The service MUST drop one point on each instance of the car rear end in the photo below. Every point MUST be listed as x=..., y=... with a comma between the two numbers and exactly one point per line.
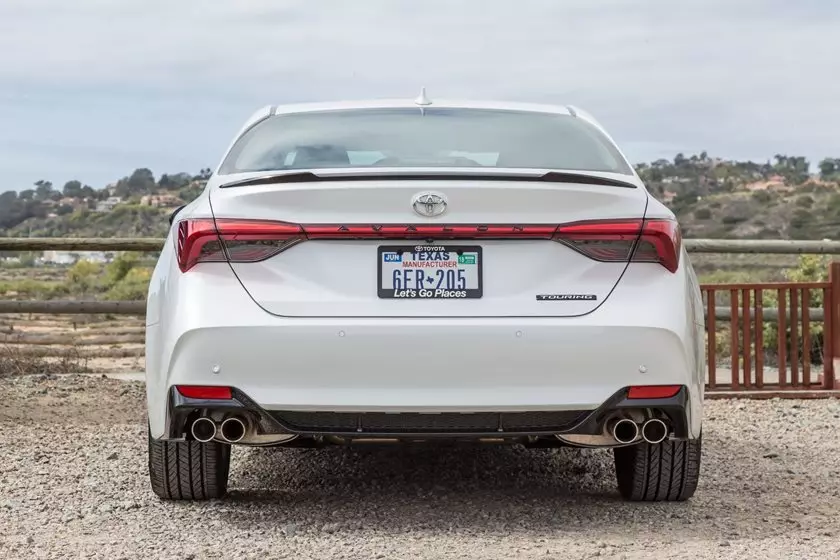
x=408, y=273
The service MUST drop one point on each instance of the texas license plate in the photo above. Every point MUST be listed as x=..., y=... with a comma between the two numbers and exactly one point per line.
x=430, y=272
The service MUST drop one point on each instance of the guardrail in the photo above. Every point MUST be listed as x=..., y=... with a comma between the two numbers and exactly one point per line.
x=743, y=313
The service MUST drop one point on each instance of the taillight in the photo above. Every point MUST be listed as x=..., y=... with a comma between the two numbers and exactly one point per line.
x=208, y=240
x=654, y=241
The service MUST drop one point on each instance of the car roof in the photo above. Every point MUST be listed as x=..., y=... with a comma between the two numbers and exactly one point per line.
x=413, y=104
x=422, y=102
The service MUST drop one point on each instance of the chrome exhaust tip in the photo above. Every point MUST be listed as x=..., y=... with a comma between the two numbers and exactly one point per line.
x=624, y=430
x=654, y=430
x=233, y=429
x=203, y=429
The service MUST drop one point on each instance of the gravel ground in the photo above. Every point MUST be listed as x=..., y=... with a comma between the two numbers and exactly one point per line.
x=73, y=484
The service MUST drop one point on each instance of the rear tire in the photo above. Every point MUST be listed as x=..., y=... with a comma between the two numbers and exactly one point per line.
x=188, y=470
x=667, y=471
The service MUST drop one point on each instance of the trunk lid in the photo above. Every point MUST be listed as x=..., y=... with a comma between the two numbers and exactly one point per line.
x=339, y=277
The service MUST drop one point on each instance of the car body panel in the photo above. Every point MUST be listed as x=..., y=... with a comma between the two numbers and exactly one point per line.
x=291, y=340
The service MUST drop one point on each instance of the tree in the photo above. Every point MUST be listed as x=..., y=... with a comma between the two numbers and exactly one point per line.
x=87, y=192
x=72, y=189
x=141, y=181
x=795, y=169
x=829, y=169
x=43, y=190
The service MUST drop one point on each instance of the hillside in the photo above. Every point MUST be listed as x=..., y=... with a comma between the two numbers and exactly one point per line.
x=127, y=220
x=711, y=197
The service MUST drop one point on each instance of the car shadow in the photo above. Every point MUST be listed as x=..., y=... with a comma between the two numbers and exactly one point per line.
x=497, y=489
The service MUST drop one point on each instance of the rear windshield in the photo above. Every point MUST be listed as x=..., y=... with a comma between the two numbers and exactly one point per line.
x=433, y=137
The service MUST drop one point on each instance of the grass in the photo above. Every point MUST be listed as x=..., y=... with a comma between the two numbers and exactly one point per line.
x=17, y=361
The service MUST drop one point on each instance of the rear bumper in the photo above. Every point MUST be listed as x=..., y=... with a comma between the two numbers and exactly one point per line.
x=183, y=410
x=419, y=365
x=433, y=366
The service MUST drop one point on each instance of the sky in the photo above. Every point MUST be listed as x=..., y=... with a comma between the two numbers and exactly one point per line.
x=92, y=89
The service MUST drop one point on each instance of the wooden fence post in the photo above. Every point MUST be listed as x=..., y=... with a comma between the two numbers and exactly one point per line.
x=832, y=338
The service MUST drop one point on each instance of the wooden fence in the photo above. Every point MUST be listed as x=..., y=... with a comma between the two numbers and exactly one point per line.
x=793, y=341
x=738, y=309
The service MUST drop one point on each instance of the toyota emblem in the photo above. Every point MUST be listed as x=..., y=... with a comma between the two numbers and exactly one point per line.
x=429, y=204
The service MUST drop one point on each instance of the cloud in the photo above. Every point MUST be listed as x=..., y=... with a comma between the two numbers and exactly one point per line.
x=93, y=88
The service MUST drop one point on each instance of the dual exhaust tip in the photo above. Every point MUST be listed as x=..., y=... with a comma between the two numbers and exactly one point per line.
x=231, y=430
x=625, y=430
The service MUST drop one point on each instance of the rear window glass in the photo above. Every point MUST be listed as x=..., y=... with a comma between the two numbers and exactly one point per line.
x=433, y=137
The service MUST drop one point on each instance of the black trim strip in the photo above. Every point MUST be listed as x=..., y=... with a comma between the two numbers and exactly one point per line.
x=182, y=409
x=309, y=177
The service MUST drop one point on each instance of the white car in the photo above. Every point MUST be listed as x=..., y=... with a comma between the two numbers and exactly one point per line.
x=414, y=270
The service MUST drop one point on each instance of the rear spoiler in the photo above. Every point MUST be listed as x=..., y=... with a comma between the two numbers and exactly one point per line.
x=310, y=177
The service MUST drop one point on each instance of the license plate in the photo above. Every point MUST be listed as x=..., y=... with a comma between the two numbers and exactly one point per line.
x=429, y=272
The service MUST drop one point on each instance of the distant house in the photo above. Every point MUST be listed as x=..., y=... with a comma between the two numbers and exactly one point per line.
x=774, y=182
x=161, y=200
x=108, y=204
x=98, y=257
x=74, y=203
x=59, y=257
x=68, y=257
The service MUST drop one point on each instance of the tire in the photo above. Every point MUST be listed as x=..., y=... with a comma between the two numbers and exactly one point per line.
x=662, y=472
x=188, y=470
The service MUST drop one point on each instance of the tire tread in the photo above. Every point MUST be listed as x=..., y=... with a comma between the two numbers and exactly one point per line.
x=188, y=470
x=667, y=471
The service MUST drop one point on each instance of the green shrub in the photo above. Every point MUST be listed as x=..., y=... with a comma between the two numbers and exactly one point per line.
x=133, y=286
x=117, y=269
x=732, y=220
x=702, y=213
x=761, y=196
x=83, y=277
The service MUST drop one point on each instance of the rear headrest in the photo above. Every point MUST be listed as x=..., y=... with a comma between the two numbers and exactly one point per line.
x=321, y=155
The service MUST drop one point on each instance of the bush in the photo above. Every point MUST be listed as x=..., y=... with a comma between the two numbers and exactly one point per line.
x=702, y=213
x=732, y=220
x=761, y=196
x=133, y=286
x=117, y=269
x=805, y=201
x=83, y=277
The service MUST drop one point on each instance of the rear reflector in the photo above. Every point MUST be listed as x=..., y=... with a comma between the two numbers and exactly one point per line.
x=653, y=391
x=234, y=240
x=204, y=391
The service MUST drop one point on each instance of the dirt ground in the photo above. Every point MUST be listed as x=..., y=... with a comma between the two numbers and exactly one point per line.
x=75, y=485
